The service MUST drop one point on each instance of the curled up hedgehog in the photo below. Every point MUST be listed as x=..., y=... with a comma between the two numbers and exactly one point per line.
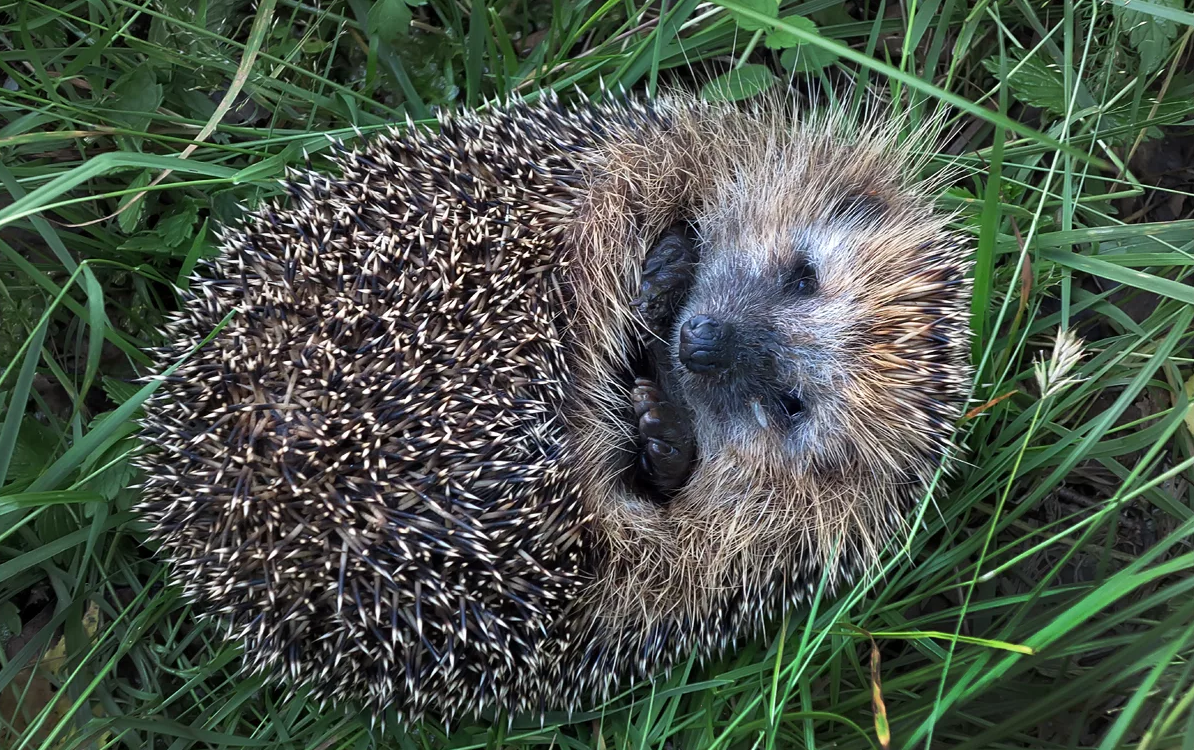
x=512, y=414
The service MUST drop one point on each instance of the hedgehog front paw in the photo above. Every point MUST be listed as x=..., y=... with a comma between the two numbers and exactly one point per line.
x=667, y=274
x=666, y=444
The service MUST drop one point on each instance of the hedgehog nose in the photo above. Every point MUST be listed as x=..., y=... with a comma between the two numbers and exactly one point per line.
x=705, y=345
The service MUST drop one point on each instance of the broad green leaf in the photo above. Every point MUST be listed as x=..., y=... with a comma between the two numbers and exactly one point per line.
x=115, y=470
x=178, y=226
x=146, y=243
x=766, y=7
x=389, y=20
x=1150, y=34
x=137, y=97
x=10, y=621
x=129, y=217
x=739, y=84
x=118, y=390
x=806, y=58
x=1033, y=81
x=782, y=39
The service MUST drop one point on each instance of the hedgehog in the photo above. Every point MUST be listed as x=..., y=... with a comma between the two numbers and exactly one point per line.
x=503, y=415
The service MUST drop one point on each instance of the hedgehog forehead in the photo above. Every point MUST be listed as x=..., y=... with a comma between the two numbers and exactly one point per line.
x=855, y=240
x=765, y=224
x=799, y=177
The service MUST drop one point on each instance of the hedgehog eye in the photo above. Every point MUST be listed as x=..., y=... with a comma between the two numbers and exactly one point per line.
x=792, y=405
x=801, y=280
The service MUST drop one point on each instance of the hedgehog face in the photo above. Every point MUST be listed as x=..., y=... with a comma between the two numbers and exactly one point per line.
x=787, y=333
x=764, y=342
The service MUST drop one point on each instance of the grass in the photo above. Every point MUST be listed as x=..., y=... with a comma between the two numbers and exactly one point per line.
x=1045, y=602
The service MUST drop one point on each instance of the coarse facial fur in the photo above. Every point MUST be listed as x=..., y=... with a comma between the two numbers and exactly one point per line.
x=848, y=301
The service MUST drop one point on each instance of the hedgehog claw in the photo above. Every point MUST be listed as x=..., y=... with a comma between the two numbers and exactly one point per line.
x=667, y=447
x=667, y=274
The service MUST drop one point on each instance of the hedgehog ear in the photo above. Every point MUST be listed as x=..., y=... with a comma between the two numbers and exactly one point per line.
x=863, y=204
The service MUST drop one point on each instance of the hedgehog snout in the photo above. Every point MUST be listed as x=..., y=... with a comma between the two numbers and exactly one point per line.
x=731, y=361
x=706, y=345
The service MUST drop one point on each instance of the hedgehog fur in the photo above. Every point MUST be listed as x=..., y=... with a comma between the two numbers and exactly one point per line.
x=397, y=475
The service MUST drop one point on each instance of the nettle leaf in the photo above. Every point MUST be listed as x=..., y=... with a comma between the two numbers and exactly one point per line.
x=117, y=471
x=797, y=55
x=219, y=15
x=833, y=15
x=780, y=39
x=739, y=84
x=137, y=96
x=1035, y=82
x=766, y=7
x=1148, y=34
x=145, y=243
x=226, y=206
x=314, y=46
x=118, y=390
x=129, y=218
x=806, y=58
x=178, y=226
x=14, y=308
x=36, y=447
x=54, y=522
x=388, y=20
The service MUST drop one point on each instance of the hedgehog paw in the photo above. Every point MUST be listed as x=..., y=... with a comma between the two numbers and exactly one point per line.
x=666, y=443
x=667, y=274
